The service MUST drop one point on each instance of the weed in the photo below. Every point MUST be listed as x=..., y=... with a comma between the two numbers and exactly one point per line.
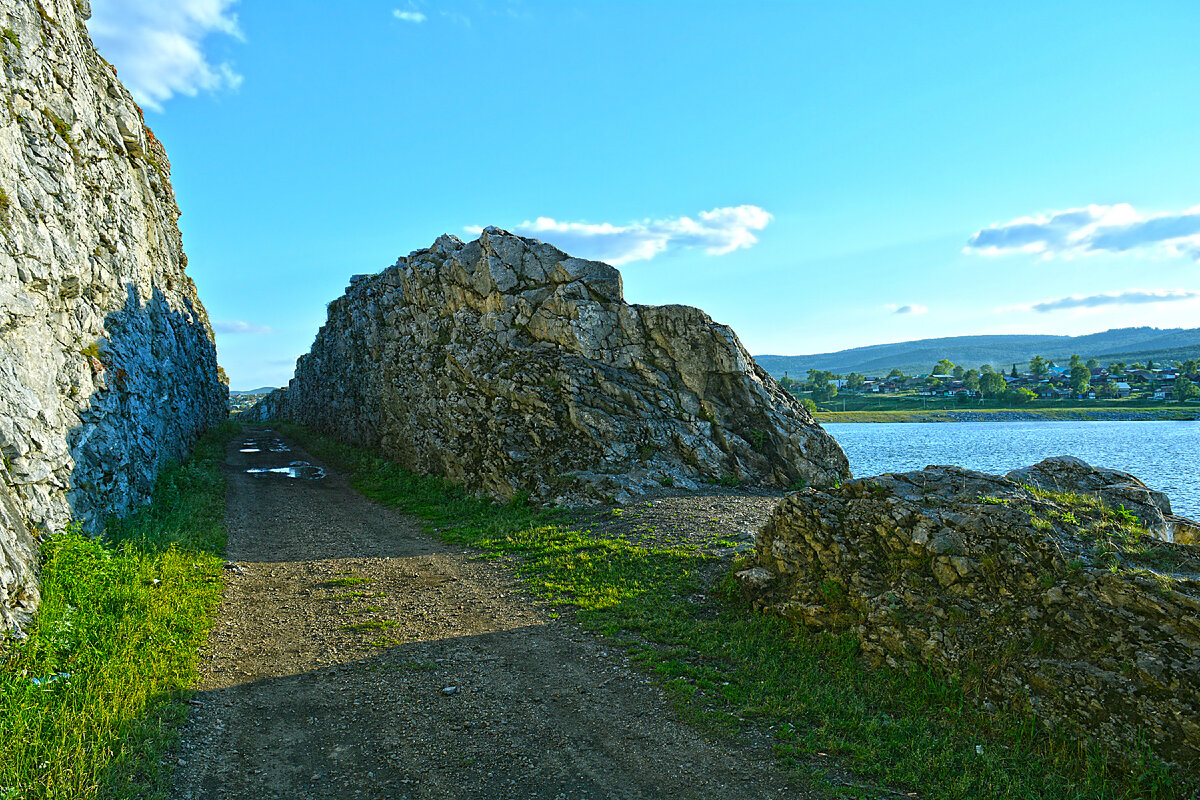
x=373, y=625
x=61, y=127
x=12, y=37
x=666, y=480
x=340, y=583
x=91, y=351
x=730, y=481
x=5, y=202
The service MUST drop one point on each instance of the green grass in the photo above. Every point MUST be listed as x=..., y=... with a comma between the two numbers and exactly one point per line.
x=339, y=583
x=89, y=703
x=726, y=668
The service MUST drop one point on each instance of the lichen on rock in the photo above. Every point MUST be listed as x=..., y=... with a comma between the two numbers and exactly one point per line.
x=107, y=362
x=511, y=367
x=1047, y=594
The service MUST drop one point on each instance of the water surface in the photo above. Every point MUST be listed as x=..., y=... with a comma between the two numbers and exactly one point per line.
x=1164, y=455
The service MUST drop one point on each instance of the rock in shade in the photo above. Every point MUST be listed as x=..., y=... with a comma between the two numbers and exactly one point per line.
x=1044, y=596
x=510, y=367
x=107, y=362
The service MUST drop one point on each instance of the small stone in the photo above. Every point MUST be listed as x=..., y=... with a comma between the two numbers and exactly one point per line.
x=449, y=690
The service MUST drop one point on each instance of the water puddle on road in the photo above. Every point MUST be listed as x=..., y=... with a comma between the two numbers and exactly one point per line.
x=297, y=469
x=250, y=450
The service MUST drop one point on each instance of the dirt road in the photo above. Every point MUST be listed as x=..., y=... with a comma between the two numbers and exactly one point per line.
x=356, y=657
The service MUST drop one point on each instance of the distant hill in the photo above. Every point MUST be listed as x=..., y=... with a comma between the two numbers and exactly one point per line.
x=260, y=390
x=918, y=357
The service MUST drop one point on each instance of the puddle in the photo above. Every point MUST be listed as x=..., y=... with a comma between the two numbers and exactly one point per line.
x=250, y=450
x=297, y=469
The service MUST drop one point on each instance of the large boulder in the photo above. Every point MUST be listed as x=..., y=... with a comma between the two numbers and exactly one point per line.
x=1049, y=599
x=510, y=367
x=107, y=363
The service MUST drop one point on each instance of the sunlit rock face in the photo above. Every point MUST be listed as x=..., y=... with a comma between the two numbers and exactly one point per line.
x=508, y=366
x=107, y=362
x=1044, y=589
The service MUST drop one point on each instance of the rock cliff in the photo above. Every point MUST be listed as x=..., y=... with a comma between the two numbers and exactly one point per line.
x=510, y=367
x=1045, y=596
x=107, y=361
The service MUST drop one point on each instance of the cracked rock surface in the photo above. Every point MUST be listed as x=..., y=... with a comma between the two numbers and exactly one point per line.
x=107, y=362
x=508, y=366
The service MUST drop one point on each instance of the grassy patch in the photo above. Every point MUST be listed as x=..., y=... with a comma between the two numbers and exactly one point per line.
x=89, y=703
x=340, y=583
x=373, y=625
x=727, y=668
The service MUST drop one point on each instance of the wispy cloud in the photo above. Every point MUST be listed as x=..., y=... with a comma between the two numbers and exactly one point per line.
x=1126, y=298
x=915, y=309
x=239, y=326
x=1118, y=228
x=158, y=47
x=408, y=16
x=718, y=231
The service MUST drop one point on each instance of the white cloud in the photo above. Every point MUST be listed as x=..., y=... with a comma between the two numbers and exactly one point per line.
x=718, y=231
x=239, y=326
x=408, y=16
x=1126, y=298
x=158, y=47
x=914, y=309
x=1118, y=228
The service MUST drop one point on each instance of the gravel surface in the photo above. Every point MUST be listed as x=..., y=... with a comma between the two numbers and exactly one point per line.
x=355, y=656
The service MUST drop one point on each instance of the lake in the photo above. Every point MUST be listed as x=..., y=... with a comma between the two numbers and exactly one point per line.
x=1164, y=455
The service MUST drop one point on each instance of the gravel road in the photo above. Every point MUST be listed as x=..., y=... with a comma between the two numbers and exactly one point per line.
x=354, y=656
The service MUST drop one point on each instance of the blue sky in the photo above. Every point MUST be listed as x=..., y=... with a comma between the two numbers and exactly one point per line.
x=816, y=175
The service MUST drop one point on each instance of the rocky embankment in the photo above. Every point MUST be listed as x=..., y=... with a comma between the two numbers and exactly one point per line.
x=1051, y=589
x=107, y=361
x=508, y=366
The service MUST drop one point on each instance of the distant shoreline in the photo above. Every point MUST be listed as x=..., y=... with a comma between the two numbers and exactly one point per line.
x=1015, y=415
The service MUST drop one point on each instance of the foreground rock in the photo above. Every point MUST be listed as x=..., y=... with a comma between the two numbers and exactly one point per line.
x=1047, y=599
x=508, y=366
x=107, y=362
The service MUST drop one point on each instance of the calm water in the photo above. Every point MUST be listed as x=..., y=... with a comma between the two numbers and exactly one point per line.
x=1164, y=455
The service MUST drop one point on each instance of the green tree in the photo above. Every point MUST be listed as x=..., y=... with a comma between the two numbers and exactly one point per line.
x=855, y=381
x=1117, y=368
x=1191, y=367
x=821, y=384
x=971, y=380
x=1038, y=367
x=1093, y=364
x=1081, y=378
x=1149, y=364
x=986, y=369
x=1014, y=371
x=1021, y=395
x=1185, y=389
x=1105, y=390
x=957, y=372
x=943, y=367
x=896, y=375
x=992, y=385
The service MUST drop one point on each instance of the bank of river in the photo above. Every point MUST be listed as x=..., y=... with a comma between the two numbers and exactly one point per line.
x=1172, y=413
x=1161, y=455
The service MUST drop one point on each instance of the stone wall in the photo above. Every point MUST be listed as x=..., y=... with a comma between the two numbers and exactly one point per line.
x=1046, y=598
x=508, y=366
x=107, y=361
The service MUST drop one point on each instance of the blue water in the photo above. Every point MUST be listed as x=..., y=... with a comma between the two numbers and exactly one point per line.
x=1164, y=455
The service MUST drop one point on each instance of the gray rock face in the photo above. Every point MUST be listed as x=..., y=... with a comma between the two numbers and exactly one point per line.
x=107, y=361
x=508, y=366
x=1050, y=600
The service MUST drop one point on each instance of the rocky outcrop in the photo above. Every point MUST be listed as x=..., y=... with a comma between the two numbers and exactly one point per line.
x=510, y=367
x=1119, y=490
x=107, y=362
x=1048, y=599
